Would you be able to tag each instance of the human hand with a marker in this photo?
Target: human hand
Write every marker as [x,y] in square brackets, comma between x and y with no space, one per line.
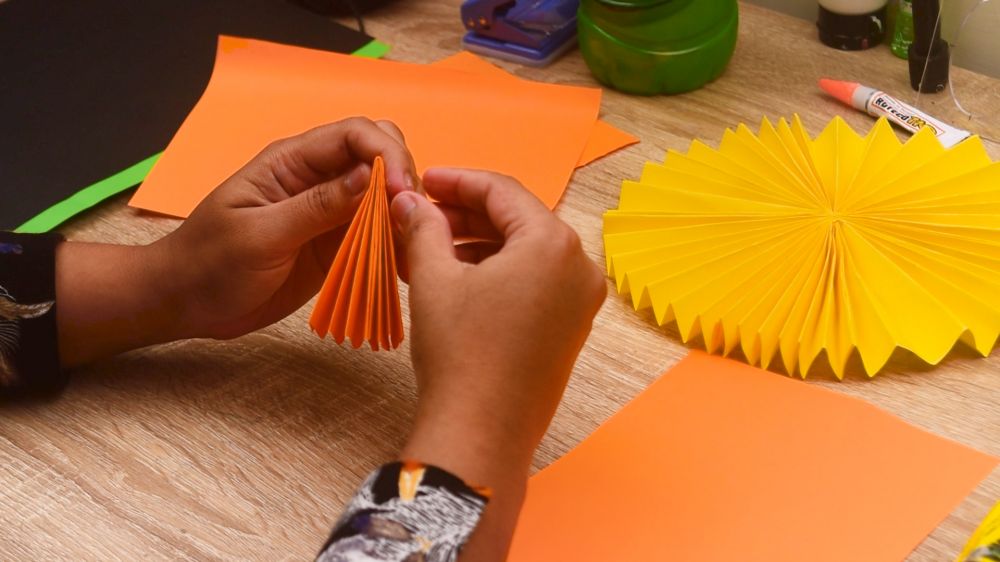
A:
[255,250]
[260,245]
[494,341]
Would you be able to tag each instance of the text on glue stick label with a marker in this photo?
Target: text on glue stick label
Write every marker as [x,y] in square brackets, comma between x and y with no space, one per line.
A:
[903,114]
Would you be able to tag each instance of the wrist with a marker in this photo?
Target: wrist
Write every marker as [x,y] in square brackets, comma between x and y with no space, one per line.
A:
[168,277]
[474,445]
[477,452]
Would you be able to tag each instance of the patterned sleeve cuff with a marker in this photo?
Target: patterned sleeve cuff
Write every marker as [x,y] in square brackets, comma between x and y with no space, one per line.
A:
[406,511]
[29,352]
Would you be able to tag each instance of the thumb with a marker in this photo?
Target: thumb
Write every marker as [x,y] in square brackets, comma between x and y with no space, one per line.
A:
[320,208]
[425,233]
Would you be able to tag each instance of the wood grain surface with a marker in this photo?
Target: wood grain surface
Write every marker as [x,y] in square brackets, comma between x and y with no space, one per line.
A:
[248,449]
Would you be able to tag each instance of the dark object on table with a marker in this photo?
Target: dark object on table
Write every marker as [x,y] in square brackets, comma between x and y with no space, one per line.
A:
[342,7]
[337,8]
[532,32]
[90,87]
[929,55]
[851,32]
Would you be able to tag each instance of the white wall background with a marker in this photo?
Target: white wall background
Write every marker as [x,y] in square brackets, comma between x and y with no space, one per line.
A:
[976,48]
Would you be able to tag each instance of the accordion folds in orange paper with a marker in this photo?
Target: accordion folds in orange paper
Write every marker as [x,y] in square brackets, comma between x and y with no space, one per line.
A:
[360,299]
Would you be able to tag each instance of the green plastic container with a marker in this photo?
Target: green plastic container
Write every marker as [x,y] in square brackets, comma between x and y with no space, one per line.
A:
[657,46]
[902,30]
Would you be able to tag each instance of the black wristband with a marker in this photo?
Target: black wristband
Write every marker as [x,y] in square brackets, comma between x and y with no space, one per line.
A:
[29,344]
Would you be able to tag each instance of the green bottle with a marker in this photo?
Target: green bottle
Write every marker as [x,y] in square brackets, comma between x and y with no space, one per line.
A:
[902,29]
[657,46]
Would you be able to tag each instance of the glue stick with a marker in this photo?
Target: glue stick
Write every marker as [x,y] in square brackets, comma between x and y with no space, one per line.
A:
[880,104]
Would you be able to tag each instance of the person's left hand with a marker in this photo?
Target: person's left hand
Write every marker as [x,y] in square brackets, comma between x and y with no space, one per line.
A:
[260,245]
[254,251]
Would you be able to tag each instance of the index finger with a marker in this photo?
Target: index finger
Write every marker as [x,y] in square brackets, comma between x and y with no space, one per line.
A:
[319,154]
[508,205]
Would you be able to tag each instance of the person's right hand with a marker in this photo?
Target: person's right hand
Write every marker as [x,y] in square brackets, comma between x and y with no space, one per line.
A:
[494,341]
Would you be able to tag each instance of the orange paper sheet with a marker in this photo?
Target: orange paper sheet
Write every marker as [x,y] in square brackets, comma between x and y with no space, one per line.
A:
[718,460]
[604,138]
[360,299]
[261,91]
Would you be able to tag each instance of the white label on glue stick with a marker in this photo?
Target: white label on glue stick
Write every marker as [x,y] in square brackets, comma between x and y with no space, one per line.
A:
[912,119]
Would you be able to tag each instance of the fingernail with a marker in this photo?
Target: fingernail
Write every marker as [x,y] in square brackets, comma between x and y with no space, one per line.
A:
[408,182]
[353,184]
[402,205]
[418,186]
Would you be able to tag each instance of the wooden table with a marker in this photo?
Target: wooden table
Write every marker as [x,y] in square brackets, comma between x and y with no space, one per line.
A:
[248,449]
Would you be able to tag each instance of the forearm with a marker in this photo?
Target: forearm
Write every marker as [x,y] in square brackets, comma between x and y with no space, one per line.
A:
[112,299]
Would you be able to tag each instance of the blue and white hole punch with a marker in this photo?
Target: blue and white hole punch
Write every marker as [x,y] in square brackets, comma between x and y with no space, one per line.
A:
[531,32]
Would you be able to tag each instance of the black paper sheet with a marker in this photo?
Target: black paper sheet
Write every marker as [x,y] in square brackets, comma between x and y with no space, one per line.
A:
[89,88]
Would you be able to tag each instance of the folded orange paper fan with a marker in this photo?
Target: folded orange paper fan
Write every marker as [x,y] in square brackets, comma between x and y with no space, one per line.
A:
[360,299]
[781,244]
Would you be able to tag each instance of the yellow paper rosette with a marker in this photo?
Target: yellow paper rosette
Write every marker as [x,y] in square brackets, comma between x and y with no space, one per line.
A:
[786,245]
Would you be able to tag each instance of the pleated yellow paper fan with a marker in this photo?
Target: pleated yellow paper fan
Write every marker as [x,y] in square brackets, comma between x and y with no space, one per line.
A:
[791,246]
